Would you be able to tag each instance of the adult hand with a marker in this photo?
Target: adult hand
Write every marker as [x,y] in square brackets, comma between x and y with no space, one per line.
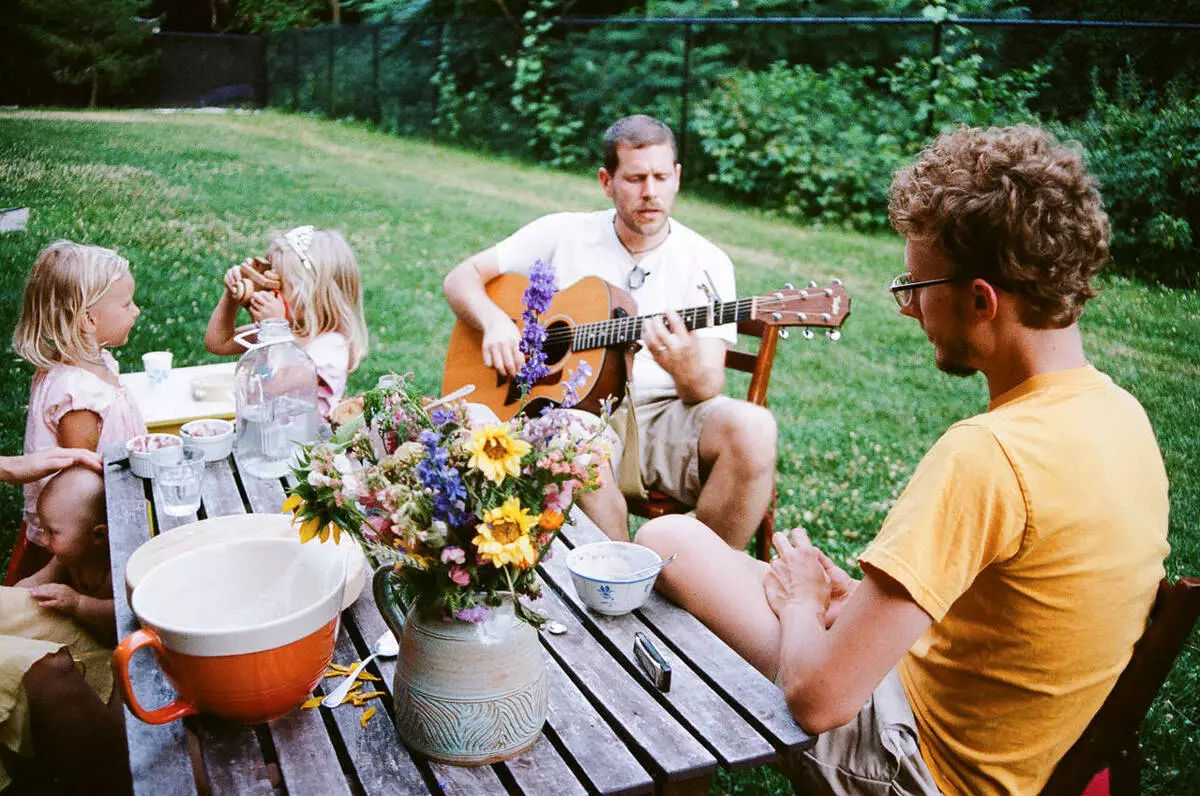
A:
[502,348]
[841,586]
[796,575]
[671,344]
[58,596]
[34,466]
[266,304]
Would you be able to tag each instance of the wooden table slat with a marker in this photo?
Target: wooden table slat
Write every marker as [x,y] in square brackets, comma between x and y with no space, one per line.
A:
[158,753]
[218,491]
[381,762]
[308,767]
[604,759]
[641,718]
[745,687]
[541,770]
[734,741]
[265,494]
[463,781]
[233,760]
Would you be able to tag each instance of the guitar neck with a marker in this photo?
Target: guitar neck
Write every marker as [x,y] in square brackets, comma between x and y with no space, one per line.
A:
[621,331]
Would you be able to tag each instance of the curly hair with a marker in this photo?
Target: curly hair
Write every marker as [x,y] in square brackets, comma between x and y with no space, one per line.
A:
[1014,207]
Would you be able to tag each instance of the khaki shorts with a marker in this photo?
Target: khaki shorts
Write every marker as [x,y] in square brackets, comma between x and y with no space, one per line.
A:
[874,755]
[669,435]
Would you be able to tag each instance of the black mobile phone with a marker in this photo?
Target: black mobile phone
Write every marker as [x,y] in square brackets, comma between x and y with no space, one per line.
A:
[652,662]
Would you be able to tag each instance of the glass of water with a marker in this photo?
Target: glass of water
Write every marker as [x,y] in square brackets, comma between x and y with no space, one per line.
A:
[178,470]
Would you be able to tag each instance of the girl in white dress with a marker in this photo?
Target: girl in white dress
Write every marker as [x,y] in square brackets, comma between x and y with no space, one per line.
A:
[320,296]
[78,304]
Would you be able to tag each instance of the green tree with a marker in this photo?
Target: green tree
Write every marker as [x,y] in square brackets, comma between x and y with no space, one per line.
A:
[262,16]
[96,43]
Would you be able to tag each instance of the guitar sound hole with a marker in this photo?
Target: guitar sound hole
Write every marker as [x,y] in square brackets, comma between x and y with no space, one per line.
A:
[558,343]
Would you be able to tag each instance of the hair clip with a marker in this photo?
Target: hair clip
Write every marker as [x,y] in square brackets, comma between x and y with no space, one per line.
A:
[300,239]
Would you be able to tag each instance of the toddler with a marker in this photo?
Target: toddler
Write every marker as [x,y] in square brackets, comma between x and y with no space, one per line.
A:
[78,304]
[53,700]
[320,296]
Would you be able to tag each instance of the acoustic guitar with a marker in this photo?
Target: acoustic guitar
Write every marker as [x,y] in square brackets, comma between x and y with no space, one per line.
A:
[595,322]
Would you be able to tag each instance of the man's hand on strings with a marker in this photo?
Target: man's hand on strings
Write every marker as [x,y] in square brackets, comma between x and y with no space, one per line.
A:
[670,342]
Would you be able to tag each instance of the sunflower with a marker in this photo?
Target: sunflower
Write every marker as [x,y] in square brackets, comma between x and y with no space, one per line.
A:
[312,527]
[496,453]
[504,535]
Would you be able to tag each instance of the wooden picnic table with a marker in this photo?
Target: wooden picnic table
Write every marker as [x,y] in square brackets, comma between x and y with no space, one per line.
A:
[609,729]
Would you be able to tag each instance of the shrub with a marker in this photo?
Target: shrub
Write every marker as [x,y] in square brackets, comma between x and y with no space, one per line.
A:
[1145,151]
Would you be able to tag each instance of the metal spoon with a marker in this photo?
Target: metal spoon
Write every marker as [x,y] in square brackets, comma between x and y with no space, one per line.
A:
[385,647]
[638,574]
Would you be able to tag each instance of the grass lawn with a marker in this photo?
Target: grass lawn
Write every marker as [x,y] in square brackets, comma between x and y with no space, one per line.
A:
[185,196]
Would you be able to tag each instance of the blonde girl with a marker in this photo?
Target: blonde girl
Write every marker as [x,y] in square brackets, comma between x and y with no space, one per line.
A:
[320,296]
[78,304]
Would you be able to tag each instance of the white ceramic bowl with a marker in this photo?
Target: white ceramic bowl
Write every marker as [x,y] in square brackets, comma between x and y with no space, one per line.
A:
[232,527]
[140,448]
[600,572]
[212,435]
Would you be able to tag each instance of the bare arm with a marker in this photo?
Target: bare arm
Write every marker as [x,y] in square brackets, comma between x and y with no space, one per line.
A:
[97,613]
[79,428]
[32,466]
[464,288]
[222,326]
[828,673]
[697,364]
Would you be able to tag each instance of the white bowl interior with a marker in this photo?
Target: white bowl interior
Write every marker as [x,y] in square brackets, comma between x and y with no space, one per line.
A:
[611,562]
[207,429]
[242,595]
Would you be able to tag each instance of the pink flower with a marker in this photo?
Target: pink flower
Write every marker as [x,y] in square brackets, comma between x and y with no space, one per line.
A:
[459,575]
[559,498]
[454,554]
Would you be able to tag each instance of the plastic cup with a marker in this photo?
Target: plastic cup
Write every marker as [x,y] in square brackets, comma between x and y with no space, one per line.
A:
[157,365]
[177,471]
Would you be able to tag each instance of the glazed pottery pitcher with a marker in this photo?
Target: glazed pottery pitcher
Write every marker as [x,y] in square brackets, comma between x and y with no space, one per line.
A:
[469,694]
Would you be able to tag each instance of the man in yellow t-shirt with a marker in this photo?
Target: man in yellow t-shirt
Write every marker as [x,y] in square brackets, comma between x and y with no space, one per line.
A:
[1008,585]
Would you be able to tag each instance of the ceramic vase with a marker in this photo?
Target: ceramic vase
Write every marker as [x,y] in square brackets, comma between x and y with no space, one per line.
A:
[466,693]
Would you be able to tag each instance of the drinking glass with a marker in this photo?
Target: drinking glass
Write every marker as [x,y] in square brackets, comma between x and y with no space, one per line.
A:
[178,471]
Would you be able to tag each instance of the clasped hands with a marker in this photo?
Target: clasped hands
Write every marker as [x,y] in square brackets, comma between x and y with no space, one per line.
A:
[667,337]
[802,574]
[255,285]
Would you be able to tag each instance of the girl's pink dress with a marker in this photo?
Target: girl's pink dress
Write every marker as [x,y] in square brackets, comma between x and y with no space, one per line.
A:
[330,352]
[64,389]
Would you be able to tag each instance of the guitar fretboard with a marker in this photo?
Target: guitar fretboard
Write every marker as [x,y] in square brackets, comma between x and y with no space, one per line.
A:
[619,331]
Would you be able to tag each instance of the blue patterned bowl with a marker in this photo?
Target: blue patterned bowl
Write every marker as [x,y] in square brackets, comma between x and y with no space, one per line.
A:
[601,573]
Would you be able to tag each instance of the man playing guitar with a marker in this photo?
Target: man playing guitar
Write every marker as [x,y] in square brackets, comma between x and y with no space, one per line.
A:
[697,445]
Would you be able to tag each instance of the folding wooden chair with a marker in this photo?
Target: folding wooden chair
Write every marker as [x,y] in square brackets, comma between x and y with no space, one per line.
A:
[1109,745]
[758,365]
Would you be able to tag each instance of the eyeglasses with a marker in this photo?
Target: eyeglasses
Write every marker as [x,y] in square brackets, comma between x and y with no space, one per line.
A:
[636,278]
[902,287]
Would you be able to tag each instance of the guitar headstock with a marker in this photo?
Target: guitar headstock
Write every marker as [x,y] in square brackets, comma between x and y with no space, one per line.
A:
[825,306]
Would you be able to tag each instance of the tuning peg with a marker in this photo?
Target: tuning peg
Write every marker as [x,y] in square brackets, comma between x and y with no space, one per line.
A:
[777,296]
[777,316]
[825,316]
[807,334]
[833,334]
[788,286]
[802,316]
[836,281]
[812,283]
[783,334]
[828,292]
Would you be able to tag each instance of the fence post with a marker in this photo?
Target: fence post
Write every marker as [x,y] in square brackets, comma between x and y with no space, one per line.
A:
[329,66]
[687,79]
[375,74]
[935,70]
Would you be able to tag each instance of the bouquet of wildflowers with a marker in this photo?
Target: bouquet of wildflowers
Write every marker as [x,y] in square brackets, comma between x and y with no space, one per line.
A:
[464,512]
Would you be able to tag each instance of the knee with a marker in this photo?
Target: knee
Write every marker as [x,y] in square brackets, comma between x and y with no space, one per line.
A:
[749,432]
[674,533]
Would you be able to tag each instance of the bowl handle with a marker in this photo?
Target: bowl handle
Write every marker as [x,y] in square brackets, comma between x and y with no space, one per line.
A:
[176,709]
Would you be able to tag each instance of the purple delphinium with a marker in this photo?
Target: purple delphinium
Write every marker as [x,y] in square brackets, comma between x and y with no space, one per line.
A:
[537,300]
[577,380]
[436,474]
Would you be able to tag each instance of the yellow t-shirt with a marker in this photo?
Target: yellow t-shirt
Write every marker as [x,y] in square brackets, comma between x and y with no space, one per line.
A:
[1034,536]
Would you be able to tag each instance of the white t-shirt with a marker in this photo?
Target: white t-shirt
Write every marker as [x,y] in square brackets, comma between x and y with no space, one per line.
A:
[586,244]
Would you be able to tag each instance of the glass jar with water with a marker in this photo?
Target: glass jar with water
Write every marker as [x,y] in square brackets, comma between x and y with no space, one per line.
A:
[275,392]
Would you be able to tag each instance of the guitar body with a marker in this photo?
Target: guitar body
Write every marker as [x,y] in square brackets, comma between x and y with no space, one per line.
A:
[589,300]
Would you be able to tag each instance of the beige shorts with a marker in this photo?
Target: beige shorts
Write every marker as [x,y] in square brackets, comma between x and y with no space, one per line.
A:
[874,755]
[669,435]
